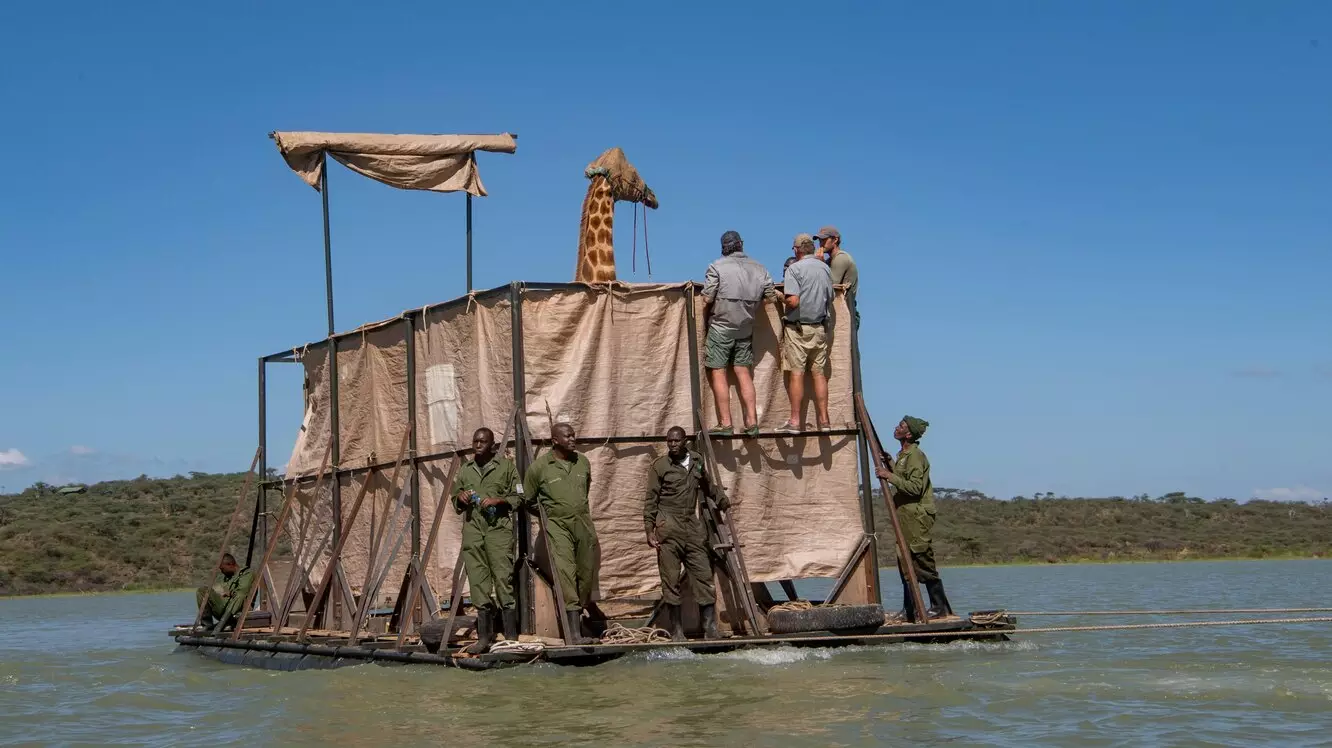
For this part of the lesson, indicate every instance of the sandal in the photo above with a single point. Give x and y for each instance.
(720, 431)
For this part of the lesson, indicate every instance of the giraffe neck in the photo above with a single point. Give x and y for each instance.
(596, 253)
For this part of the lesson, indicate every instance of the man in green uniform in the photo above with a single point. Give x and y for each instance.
(913, 495)
(488, 491)
(670, 516)
(226, 597)
(841, 264)
(559, 481)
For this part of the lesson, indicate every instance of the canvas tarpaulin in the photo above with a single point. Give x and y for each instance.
(438, 163)
(612, 363)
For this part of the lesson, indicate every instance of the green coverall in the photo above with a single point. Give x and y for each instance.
(671, 508)
(488, 544)
(225, 598)
(915, 509)
(562, 488)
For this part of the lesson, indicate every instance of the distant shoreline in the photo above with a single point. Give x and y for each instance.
(981, 565)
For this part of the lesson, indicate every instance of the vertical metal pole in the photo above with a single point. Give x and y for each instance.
(335, 433)
(328, 248)
(695, 387)
(262, 498)
(469, 241)
(414, 476)
(875, 594)
(526, 585)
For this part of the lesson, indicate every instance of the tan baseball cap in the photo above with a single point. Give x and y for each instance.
(802, 240)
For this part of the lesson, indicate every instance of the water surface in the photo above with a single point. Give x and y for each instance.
(99, 670)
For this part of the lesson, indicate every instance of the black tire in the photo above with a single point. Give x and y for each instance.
(840, 618)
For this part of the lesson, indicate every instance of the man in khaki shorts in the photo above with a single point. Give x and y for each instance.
(808, 290)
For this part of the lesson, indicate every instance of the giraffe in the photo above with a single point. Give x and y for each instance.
(612, 179)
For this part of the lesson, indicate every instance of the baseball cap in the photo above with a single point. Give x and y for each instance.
(803, 239)
(828, 231)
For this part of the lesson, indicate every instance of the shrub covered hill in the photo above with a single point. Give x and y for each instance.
(154, 533)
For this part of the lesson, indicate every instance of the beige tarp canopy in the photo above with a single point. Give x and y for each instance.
(611, 363)
(439, 163)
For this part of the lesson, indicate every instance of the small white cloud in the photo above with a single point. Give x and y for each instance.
(79, 449)
(11, 459)
(1298, 493)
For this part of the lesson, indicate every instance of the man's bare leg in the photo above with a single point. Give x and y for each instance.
(821, 397)
(721, 395)
(795, 388)
(744, 381)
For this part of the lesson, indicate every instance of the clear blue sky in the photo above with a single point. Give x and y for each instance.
(1094, 238)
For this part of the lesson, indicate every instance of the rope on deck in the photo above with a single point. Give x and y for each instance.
(793, 605)
(1230, 611)
(617, 633)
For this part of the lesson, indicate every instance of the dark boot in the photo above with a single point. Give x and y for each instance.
(575, 633)
(908, 612)
(939, 607)
(485, 632)
(510, 617)
(674, 621)
(709, 615)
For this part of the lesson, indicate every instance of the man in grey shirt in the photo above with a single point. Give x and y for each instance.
(733, 289)
(808, 290)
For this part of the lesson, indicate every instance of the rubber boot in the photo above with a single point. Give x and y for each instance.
(510, 618)
(709, 615)
(939, 607)
(485, 632)
(907, 614)
(674, 622)
(575, 633)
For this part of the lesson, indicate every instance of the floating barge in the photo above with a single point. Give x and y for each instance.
(389, 409)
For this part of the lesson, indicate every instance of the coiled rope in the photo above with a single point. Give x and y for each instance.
(793, 605)
(620, 634)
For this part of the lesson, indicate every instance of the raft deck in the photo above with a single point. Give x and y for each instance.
(329, 649)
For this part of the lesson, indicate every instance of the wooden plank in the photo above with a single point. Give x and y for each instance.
(850, 585)
(730, 541)
(272, 543)
(416, 579)
(226, 537)
(903, 552)
(289, 597)
(788, 587)
(336, 555)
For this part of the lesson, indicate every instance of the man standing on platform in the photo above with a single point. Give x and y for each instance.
(488, 492)
(841, 264)
(733, 288)
(560, 481)
(808, 290)
(913, 496)
(225, 598)
(670, 516)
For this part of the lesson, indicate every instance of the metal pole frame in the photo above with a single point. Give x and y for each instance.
(334, 428)
(261, 499)
(526, 587)
(873, 591)
(414, 475)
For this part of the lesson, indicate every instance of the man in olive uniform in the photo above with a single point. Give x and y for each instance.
(488, 492)
(670, 516)
(913, 495)
(560, 481)
(841, 265)
(227, 596)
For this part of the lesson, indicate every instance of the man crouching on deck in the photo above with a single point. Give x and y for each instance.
(913, 496)
(488, 492)
(226, 597)
(670, 516)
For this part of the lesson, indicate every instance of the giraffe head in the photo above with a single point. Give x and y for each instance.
(612, 179)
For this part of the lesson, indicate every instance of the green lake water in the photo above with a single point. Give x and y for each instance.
(99, 670)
